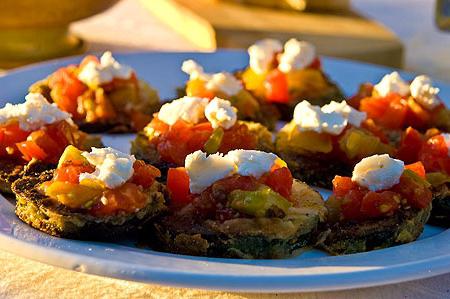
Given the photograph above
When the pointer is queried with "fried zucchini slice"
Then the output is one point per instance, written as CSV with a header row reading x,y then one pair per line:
x,y
351,237
249,238
41,212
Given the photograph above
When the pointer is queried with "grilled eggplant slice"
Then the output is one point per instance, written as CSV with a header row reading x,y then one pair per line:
x,y
42,213
351,237
250,238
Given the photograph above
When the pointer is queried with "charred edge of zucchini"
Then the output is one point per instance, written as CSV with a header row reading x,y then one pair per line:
x,y
315,172
440,214
214,244
42,213
347,238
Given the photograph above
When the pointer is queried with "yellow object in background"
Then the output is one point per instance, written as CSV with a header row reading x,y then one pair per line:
x,y
34,30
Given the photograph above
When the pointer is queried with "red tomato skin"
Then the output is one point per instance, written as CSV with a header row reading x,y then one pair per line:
x,y
410,146
10,134
342,185
277,89
316,64
237,137
30,150
418,168
434,155
389,111
178,186
377,204
351,205
280,180
144,174
71,173
418,196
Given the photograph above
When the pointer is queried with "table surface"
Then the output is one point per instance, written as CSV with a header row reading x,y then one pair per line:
x,y
127,27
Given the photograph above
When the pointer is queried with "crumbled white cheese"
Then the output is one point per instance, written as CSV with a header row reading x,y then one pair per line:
x,y
392,83
308,117
252,162
220,113
189,109
378,172
95,74
223,81
296,55
112,167
262,54
353,116
447,141
204,170
34,113
424,93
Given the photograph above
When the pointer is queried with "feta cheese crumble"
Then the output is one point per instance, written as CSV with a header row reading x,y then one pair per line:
x,y
308,117
262,53
392,83
220,113
112,167
35,113
353,116
189,109
205,170
424,93
296,55
378,172
95,74
223,81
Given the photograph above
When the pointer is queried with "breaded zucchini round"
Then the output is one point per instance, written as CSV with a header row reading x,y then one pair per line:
x,y
269,237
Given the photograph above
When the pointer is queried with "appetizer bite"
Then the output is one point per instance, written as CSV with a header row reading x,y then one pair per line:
x,y
33,136
102,95
226,86
396,104
432,150
241,205
186,125
285,77
98,195
383,204
321,142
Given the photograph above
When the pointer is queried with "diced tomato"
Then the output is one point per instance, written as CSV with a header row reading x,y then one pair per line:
x,y
376,204
434,155
276,85
71,173
10,134
410,146
417,116
414,189
236,182
30,150
127,198
316,64
372,127
365,91
65,89
144,174
280,180
87,59
178,186
51,148
351,204
389,111
182,139
342,185
158,125
417,168
237,137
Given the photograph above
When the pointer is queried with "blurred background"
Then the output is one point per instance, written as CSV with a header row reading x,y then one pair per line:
x,y
403,33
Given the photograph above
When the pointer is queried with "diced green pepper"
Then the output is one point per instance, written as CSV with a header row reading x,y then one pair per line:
x,y
437,178
358,144
259,202
214,141
416,178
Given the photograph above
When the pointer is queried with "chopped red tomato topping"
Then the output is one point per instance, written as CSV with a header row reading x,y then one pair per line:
x,y
10,134
65,90
376,204
417,168
434,155
31,150
316,64
342,185
144,174
71,173
127,198
280,180
238,137
178,186
389,111
410,146
276,85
